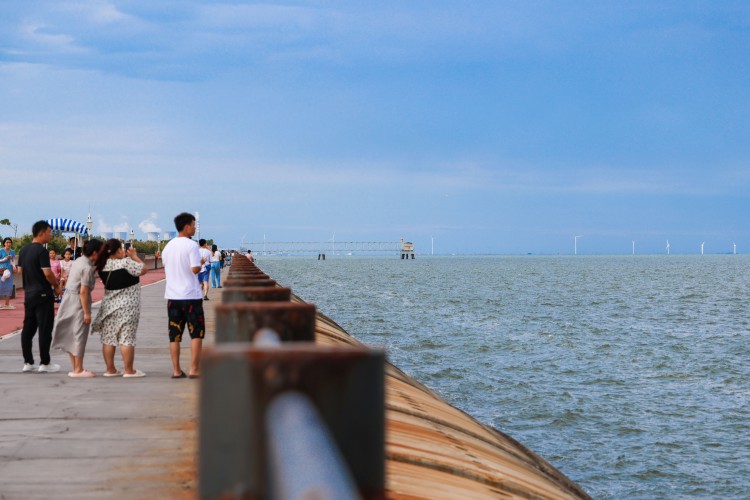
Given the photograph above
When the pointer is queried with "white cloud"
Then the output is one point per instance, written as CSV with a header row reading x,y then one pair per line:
x,y
103,227
149,225
40,38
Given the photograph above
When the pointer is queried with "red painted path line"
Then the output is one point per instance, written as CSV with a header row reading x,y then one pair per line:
x,y
11,320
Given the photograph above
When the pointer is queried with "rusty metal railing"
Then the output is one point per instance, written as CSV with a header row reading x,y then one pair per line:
x,y
280,416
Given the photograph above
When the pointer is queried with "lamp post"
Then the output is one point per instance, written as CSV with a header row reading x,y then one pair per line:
x,y
90,225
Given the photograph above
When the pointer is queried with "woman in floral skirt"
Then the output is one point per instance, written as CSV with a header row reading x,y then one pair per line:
x,y
120,310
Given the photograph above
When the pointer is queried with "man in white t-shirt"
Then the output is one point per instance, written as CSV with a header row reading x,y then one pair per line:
x,y
182,262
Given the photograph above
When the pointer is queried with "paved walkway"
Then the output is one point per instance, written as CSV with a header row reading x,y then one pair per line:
x,y
102,437
12,320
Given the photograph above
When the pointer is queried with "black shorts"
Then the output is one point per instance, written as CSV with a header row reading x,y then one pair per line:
x,y
181,312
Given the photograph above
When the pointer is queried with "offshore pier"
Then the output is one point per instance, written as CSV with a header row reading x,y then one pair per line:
x,y
323,248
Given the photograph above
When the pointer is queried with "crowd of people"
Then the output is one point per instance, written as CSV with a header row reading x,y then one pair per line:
x,y
46,279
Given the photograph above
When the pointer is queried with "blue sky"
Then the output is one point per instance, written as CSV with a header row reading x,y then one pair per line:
x,y
490,126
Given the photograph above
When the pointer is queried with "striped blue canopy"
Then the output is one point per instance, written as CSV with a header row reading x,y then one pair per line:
x,y
68,226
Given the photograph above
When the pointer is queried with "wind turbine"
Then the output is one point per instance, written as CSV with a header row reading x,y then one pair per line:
x,y
633,247
734,248
702,247
333,243
575,244
667,247
433,244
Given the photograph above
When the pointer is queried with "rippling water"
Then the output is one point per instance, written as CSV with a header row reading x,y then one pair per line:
x,y
631,374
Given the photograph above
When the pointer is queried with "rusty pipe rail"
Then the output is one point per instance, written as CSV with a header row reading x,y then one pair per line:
x,y
305,460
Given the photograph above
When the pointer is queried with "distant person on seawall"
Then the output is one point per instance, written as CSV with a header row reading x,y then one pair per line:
x,y
250,256
206,260
216,267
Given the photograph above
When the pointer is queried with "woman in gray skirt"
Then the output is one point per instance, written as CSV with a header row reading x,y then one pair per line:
x,y
74,316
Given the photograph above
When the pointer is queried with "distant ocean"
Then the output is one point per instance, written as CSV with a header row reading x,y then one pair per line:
x,y
631,374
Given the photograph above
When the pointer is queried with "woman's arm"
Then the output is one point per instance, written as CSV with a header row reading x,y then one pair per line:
x,y
134,257
85,304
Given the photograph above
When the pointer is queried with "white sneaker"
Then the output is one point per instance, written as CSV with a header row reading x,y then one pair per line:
x,y
50,368
27,368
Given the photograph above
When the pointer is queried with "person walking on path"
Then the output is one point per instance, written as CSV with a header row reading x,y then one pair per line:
x,y
7,263
182,262
65,266
120,310
71,330
206,259
216,267
40,287
54,264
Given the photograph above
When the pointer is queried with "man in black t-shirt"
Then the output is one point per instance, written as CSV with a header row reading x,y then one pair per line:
x,y
40,286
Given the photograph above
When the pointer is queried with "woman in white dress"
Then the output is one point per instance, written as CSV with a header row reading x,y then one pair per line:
x,y
120,311
74,316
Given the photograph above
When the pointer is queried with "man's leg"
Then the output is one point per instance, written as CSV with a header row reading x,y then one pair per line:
x,y
176,318
197,326
196,345
29,330
46,320
174,352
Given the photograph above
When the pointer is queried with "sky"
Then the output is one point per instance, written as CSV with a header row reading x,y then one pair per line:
x,y
503,127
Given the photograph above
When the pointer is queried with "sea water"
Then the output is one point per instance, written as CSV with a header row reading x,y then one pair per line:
x,y
630,374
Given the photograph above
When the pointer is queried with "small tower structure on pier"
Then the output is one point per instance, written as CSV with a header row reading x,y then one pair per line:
x,y
407,249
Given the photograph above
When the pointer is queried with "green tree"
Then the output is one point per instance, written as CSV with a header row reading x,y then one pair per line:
x,y
7,222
